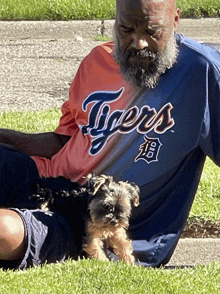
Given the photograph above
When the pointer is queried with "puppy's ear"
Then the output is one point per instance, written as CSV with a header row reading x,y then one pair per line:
x,y
135,195
97,181
97,184
134,192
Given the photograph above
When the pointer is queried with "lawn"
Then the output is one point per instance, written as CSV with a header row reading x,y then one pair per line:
x,y
90,9
96,277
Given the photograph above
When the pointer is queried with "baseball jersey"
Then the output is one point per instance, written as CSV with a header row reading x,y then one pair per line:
x,y
157,138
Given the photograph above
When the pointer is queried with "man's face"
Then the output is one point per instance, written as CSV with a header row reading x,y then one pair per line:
x,y
145,44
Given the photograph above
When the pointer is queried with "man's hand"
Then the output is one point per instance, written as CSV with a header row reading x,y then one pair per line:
x,y
42,144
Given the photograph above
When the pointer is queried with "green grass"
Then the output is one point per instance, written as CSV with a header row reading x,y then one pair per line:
x,y
199,8
96,277
57,9
30,121
207,201
89,9
102,38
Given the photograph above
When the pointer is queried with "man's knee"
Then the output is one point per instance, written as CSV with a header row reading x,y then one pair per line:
x,y
12,235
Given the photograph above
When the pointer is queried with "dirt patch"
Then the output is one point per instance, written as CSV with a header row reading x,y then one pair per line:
x,y
202,229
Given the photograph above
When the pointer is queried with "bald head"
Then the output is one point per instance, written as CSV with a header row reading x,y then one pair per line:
x,y
134,7
137,3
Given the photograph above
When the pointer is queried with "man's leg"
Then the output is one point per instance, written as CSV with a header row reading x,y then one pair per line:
x,y
12,235
33,237
17,174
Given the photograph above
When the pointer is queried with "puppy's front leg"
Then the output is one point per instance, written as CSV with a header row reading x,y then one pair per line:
x,y
122,246
94,249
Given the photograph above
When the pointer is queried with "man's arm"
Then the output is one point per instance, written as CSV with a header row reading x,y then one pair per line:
x,y
42,144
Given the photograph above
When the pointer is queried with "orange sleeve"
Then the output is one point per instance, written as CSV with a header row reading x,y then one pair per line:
x,y
67,124
72,109
72,113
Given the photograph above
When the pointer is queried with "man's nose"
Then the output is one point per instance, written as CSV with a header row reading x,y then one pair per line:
x,y
139,41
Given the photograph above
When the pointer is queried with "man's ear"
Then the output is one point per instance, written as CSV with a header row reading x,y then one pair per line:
x,y
176,18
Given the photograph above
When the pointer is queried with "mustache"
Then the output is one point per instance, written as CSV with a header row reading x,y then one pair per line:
x,y
140,54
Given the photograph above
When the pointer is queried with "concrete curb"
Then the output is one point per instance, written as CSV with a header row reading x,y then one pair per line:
x,y
49,29
191,252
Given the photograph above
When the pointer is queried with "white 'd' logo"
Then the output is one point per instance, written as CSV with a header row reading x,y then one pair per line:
x,y
149,150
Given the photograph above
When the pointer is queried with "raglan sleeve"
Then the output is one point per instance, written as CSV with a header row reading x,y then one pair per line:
x,y
210,131
72,112
67,124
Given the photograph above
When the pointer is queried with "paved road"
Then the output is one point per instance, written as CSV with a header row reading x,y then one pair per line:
x,y
39,59
38,62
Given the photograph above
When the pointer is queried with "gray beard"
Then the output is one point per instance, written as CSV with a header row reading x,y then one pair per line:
x,y
139,76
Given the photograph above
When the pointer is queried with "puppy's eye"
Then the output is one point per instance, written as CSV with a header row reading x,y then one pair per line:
x,y
108,207
120,212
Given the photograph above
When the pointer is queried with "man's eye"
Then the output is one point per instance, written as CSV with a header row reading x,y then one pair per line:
x,y
126,29
151,32
154,33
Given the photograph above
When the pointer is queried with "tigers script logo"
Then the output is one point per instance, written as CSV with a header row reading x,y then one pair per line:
x,y
102,123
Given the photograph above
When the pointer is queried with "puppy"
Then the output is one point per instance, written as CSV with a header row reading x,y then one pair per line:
x,y
98,212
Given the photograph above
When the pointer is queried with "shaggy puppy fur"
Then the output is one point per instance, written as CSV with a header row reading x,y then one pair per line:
x,y
98,212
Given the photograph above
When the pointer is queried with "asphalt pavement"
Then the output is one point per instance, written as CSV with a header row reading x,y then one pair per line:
x,y
38,62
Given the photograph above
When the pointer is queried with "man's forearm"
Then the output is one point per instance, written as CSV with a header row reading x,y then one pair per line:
x,y
43,144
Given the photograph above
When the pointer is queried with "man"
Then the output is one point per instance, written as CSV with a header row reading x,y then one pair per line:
x,y
150,118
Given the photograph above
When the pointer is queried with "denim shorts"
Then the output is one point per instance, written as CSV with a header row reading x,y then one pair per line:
x,y
48,239
48,235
